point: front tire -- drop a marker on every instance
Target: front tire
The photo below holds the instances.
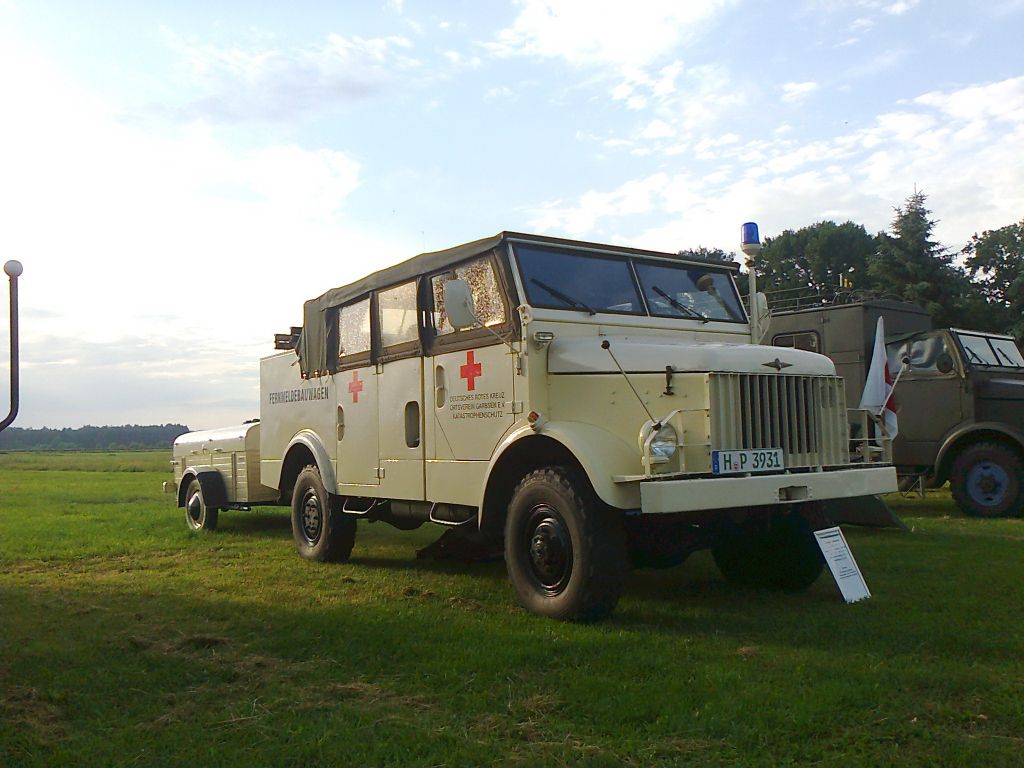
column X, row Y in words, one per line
column 198, row 515
column 783, row 556
column 321, row 531
column 564, row 550
column 986, row 481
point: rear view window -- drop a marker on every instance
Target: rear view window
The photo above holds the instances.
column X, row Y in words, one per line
column 396, row 308
column 483, row 284
column 806, row 340
column 354, row 328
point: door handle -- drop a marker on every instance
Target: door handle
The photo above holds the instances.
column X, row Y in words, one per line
column 440, row 387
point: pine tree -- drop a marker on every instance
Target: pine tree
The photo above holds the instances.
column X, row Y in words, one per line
column 910, row 265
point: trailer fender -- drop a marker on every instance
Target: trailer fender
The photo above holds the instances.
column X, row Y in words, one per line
column 210, row 480
column 311, row 441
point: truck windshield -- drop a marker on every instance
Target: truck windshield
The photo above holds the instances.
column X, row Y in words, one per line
column 592, row 282
column 682, row 291
column 990, row 351
column 574, row 280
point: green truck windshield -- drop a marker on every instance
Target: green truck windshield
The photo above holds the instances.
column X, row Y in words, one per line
column 591, row 283
column 988, row 350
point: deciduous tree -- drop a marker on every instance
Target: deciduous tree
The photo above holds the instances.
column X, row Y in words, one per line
column 995, row 259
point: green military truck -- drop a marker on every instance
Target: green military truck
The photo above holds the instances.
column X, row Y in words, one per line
column 960, row 399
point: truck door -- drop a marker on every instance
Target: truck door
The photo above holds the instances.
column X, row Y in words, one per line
column 471, row 382
column 356, row 383
column 400, row 394
column 929, row 396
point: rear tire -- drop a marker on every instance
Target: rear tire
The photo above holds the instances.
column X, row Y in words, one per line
column 322, row 532
column 785, row 556
column 198, row 515
column 657, row 542
column 564, row 550
column 986, row 481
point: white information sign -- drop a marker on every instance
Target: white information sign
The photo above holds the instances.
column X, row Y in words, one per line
column 840, row 561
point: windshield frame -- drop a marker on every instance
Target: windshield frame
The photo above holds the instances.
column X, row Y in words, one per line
column 538, row 298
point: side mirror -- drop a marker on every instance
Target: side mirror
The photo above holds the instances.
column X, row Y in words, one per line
column 458, row 305
column 944, row 363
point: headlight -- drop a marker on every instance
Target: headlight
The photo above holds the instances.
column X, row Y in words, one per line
column 664, row 444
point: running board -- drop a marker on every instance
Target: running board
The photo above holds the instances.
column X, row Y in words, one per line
column 451, row 508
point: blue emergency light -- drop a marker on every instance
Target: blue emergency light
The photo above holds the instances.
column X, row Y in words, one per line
column 750, row 238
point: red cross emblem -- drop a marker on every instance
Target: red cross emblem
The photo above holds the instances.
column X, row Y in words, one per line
column 355, row 386
column 470, row 371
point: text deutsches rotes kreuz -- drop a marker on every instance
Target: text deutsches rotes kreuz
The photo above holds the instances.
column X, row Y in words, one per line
column 477, row 405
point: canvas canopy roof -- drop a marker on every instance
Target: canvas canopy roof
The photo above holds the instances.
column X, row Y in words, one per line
column 312, row 349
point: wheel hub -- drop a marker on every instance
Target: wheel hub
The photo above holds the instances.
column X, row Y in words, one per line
column 194, row 507
column 550, row 550
column 988, row 483
column 312, row 519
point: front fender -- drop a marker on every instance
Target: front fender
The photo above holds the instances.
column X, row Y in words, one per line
column 600, row 453
column 953, row 438
column 311, row 440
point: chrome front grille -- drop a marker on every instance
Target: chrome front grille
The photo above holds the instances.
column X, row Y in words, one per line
column 805, row 416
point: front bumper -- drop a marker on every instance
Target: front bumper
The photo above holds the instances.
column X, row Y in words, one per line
column 667, row 496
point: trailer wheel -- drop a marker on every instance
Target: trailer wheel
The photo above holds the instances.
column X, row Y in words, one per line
column 986, row 481
column 321, row 531
column 785, row 556
column 198, row 515
column 565, row 552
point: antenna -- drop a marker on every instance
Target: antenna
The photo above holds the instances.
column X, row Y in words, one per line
column 608, row 346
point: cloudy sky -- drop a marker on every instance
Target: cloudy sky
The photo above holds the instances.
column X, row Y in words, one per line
column 177, row 177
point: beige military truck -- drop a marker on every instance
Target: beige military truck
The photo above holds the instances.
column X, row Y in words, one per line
column 594, row 406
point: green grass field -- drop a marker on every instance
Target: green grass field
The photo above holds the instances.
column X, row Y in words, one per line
column 127, row 640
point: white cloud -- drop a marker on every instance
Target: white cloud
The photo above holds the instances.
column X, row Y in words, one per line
column 658, row 129
column 797, row 93
column 175, row 238
column 271, row 83
column 585, row 34
column 961, row 147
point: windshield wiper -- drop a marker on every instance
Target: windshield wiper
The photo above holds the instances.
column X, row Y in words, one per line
column 681, row 307
column 576, row 303
column 976, row 356
column 1006, row 357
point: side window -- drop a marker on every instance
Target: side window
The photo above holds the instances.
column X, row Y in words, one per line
column 396, row 309
column 353, row 330
column 928, row 355
column 487, row 301
column 806, row 340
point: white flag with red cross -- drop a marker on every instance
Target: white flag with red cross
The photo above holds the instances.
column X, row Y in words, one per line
column 878, row 396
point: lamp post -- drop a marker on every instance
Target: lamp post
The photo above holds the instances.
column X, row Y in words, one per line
column 13, row 270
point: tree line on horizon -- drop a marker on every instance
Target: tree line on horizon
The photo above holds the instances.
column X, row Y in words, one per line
column 983, row 289
column 89, row 438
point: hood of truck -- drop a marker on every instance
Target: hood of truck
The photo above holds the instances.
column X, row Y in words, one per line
column 1001, row 399
column 652, row 355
